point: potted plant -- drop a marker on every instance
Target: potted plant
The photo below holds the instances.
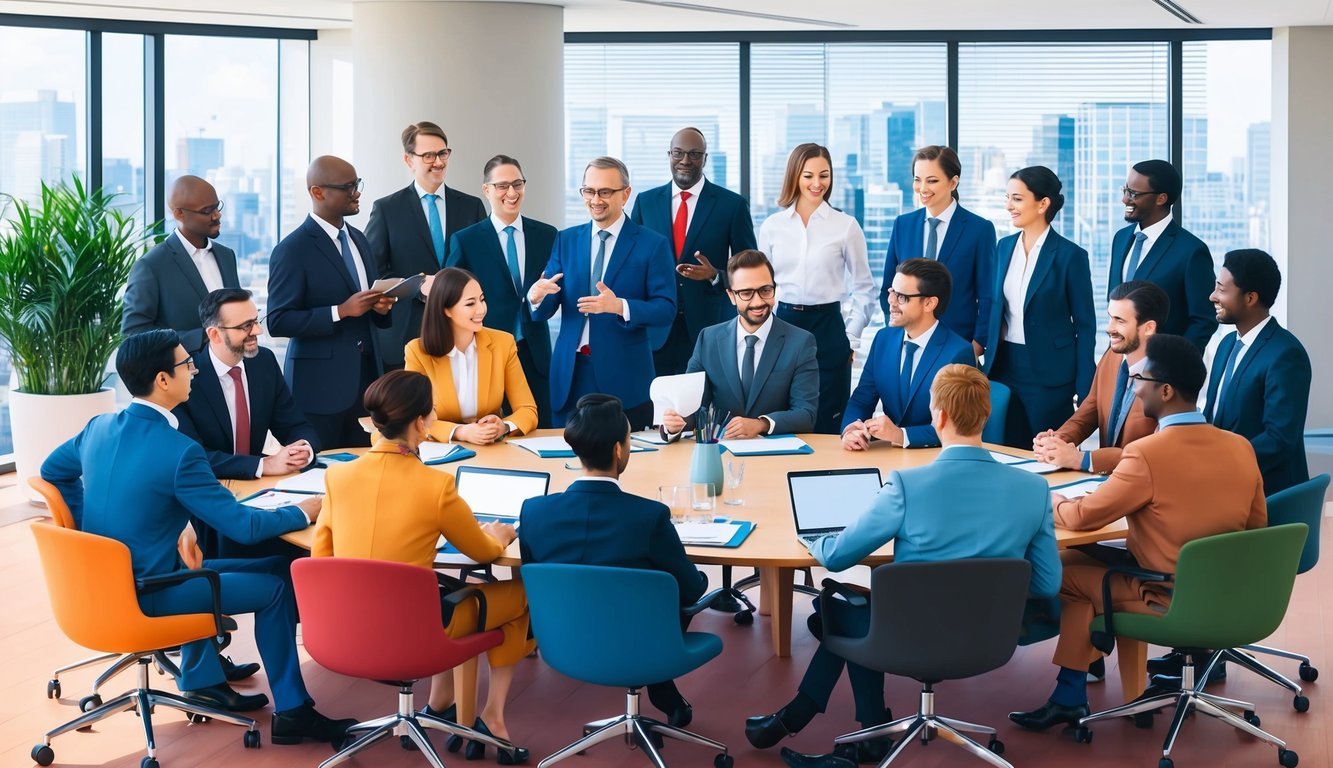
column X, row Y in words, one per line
column 63, row 268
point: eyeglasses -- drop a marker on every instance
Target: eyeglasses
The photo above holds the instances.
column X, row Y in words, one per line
column 680, row 154
column 748, row 294
column 1134, row 194
column 187, row 362
column 503, row 187
column 248, row 326
column 349, row 188
column 1141, row 377
column 431, row 157
column 589, row 193
column 206, row 211
column 903, row 298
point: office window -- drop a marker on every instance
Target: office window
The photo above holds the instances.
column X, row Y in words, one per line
column 626, row 100
column 123, row 122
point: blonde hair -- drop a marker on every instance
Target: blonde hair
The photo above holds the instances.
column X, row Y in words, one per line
column 963, row 392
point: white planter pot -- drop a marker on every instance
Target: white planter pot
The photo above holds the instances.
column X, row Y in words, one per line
column 42, row 422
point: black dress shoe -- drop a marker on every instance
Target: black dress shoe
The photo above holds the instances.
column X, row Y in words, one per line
column 1048, row 715
column 868, row 752
column 763, row 731
column 223, row 697
column 1170, row 664
column 476, row 750
column 796, row 759
column 237, row 672
column 292, row 726
column 1173, row 682
column 681, row 715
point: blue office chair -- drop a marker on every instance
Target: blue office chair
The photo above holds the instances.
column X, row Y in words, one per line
column 993, row 432
column 618, row 627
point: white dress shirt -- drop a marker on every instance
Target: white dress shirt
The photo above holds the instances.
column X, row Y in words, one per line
column 940, row 229
column 520, row 244
column 1016, row 282
column 1248, row 341
column 822, row 262
column 332, row 232
column 1153, row 232
column 205, row 261
column 439, row 206
column 463, row 366
column 168, row 415
column 229, row 395
column 920, row 342
column 762, row 332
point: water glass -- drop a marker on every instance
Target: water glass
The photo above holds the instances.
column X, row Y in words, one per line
column 677, row 499
column 703, row 502
column 735, row 476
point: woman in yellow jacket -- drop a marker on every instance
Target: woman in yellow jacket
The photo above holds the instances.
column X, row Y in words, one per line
column 473, row 369
column 387, row 505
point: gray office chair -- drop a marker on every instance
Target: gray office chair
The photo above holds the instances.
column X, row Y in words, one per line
column 910, row 635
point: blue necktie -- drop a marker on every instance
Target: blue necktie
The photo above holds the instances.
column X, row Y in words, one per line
column 931, row 242
column 511, row 253
column 1226, row 378
column 599, row 263
column 905, row 375
column 1118, row 408
column 348, row 261
column 436, row 226
column 747, row 366
column 1134, row 255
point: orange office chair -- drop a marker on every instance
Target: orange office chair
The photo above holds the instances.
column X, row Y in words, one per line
column 94, row 597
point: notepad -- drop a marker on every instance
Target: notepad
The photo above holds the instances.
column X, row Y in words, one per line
column 1007, row 458
column 443, row 453
column 399, row 288
column 1036, row 467
column 557, row 448
column 309, row 481
column 1079, row 488
column 768, row 446
column 715, row 534
column 274, row 499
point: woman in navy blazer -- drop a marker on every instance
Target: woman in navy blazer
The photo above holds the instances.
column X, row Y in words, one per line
column 1042, row 326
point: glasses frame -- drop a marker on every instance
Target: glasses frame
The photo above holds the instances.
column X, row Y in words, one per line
column 903, row 298
column 354, row 186
column 693, row 154
column 605, row 193
column 206, row 210
column 431, row 157
column 504, row 186
column 1148, row 379
column 247, row 327
column 1133, row 194
column 771, row 288
column 188, row 362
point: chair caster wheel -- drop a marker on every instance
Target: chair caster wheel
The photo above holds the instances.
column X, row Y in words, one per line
column 198, row 719
column 1251, row 718
column 1165, row 763
column 1301, row 704
column 744, row 618
column 1083, row 734
column 996, row 746
column 251, row 740
column 42, row 754
column 723, row 761
column 148, row 762
column 52, row 689
column 1287, row 758
column 1308, row 673
column 454, row 743
column 89, row 703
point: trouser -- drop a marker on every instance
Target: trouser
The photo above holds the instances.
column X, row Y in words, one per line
column 640, row 415
column 826, row 666
column 674, row 356
column 538, row 382
column 1081, row 601
column 343, row 429
column 1034, row 407
column 833, row 353
column 506, row 610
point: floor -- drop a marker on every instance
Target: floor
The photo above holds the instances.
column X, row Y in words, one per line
column 547, row 709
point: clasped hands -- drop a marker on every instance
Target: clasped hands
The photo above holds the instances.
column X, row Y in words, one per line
column 291, row 458
column 483, row 431
column 738, row 428
column 858, row 434
column 1051, row 449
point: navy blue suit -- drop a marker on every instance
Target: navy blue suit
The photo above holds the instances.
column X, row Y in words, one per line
column 881, row 377
column 639, row 269
column 129, row 476
column 329, row 365
column 1180, row 264
column 720, row 227
column 165, row 290
column 1056, row 361
column 786, row 375
column 968, row 250
column 478, row 250
column 1266, row 402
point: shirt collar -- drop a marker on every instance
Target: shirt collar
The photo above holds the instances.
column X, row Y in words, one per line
column 464, row 354
column 168, row 415
column 762, row 331
column 1253, row 333
column 1036, row 247
column 189, row 246
column 223, row 370
column 694, row 190
column 946, row 214
column 1139, row 366
column 924, row 339
column 1155, row 231
column 1178, row 419
column 821, row 212
column 500, row 224
column 421, row 191
column 611, row 480
column 614, row 229
column 328, row 228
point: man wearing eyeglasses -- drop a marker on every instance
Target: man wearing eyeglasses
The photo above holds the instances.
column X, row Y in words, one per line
column 760, row 371
column 904, row 358
column 612, row 281
column 506, row 252
column 409, row 230
column 167, row 284
column 1154, row 247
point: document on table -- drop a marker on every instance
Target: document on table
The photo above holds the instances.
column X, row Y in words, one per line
column 682, row 394
column 309, row 481
column 1036, row 467
column 1080, row 488
column 429, row 451
column 1006, row 458
column 653, row 437
column 716, row 534
column 274, row 499
column 556, row 447
column 767, row 445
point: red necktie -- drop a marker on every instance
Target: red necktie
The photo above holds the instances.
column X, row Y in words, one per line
column 242, row 413
column 681, row 223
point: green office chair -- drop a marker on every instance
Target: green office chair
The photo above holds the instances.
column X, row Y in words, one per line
column 1230, row 589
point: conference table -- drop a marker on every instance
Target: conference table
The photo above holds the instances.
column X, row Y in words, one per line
column 772, row 547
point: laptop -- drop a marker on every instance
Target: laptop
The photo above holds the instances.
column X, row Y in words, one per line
column 826, row 501
column 499, row 493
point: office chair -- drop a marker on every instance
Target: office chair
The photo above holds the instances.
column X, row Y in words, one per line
column 95, row 599
column 380, row 620
column 618, row 627
column 911, row 636
column 1230, row 589
column 993, row 432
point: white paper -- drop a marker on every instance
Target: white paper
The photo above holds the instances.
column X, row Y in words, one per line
column 1036, row 467
column 309, row 481
column 385, row 283
column 682, row 394
column 707, row 533
column 653, row 437
column 1078, row 490
column 429, row 451
column 1005, row 458
column 764, row 445
column 275, row 499
column 540, row 444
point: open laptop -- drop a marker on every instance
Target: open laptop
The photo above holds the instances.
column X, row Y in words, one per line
column 499, row 493
column 826, row 501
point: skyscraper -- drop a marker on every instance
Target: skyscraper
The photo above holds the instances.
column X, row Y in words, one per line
column 38, row 142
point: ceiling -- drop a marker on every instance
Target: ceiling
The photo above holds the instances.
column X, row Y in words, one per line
column 739, row 15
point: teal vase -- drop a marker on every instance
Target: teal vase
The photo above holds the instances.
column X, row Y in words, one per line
column 706, row 466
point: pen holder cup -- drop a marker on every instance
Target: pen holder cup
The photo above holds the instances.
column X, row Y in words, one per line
column 706, row 466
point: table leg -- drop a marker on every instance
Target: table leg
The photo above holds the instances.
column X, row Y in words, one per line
column 1132, row 657
column 465, row 691
column 776, row 595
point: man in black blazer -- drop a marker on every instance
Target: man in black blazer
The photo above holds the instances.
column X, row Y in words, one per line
column 319, row 295
column 1154, row 247
column 167, row 284
column 409, row 230
column 484, row 250
column 706, row 224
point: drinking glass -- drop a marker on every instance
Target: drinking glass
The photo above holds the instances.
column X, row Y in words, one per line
column 735, row 476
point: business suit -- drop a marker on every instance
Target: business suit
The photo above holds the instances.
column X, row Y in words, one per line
column 499, row 381
column 165, row 290
column 1265, row 402
column 1180, row 264
column 329, row 364
column 1184, row 482
column 719, row 227
column 387, row 505
column 882, row 376
column 478, row 249
column 993, row 510
column 638, row 269
column 786, row 375
column 1055, row 362
column 130, row 476
column 1094, row 414
column 968, row 250
column 401, row 246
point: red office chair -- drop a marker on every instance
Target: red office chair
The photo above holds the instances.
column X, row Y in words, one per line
column 380, row 621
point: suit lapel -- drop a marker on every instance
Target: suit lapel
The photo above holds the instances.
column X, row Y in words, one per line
column 1119, row 252
column 620, row 251
column 1046, row 258
column 1219, row 367
column 727, row 362
column 955, row 232
column 226, row 265
column 209, row 387
column 187, row 266
column 1156, row 253
column 582, row 264
column 534, row 256
column 261, row 400
column 777, row 339
column 484, row 353
column 925, row 362
column 1251, row 354
column 416, row 215
column 330, row 252
column 893, row 397
column 702, row 210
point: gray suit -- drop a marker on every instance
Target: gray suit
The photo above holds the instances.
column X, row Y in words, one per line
column 786, row 375
column 165, row 291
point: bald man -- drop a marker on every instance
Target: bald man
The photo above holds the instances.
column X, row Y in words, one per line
column 319, row 295
column 168, row 283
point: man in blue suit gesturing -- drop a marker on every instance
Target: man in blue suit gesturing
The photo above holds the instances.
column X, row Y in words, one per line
column 618, row 285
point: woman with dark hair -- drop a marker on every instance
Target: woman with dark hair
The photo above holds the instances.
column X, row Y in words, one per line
column 944, row 231
column 1042, row 322
column 474, row 370
column 822, row 274
column 387, row 505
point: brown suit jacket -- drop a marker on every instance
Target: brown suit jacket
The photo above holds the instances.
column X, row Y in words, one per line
column 1094, row 412
column 1174, row 486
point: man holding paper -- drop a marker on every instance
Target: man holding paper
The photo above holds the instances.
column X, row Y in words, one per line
column 759, row 368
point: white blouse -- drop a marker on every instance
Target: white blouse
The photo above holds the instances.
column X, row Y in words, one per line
column 1016, row 282
column 463, row 367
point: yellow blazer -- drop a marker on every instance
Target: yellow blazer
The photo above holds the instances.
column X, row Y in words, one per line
column 499, row 378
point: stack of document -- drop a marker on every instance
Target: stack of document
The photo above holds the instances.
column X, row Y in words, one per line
column 557, row 448
column 1027, row 465
column 273, row 499
column 309, row 481
column 776, row 445
column 443, row 453
column 1080, row 488
column 710, row 534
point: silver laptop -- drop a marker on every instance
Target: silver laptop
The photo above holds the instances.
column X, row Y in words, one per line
column 499, row 493
column 826, row 501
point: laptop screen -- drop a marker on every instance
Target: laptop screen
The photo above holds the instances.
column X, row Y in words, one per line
column 499, row 492
column 830, row 499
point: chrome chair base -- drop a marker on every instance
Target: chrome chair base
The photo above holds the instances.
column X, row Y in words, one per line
column 637, row 731
column 412, row 724
column 926, row 725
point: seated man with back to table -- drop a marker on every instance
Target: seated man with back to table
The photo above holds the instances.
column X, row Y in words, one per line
column 965, row 504
column 594, row 522
column 1184, row 482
